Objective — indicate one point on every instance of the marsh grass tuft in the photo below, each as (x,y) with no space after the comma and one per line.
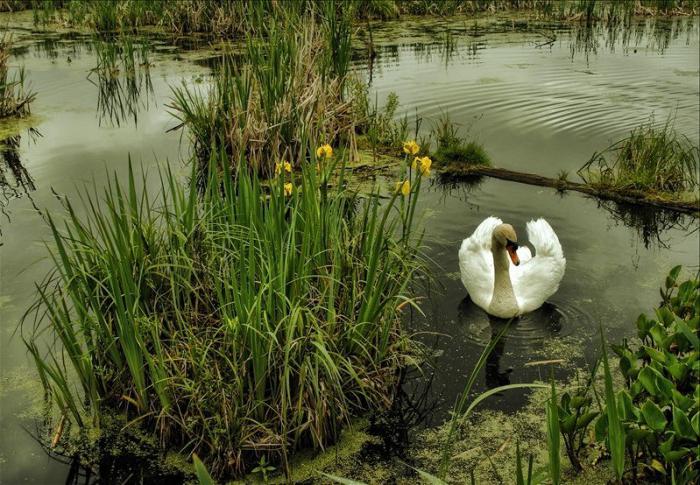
(651,159)
(15,95)
(261,113)
(242,323)
(452,148)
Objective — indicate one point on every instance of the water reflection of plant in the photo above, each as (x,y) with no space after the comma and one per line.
(628,34)
(123,79)
(650,223)
(15,180)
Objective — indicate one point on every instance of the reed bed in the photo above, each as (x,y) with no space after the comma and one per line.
(651,159)
(291,87)
(15,95)
(241,323)
(232,18)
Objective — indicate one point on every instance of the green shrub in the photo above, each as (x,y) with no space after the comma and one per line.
(660,404)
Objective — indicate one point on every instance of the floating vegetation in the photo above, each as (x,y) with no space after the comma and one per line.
(653,160)
(15,95)
(246,322)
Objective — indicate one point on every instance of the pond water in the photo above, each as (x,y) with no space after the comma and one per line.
(541,98)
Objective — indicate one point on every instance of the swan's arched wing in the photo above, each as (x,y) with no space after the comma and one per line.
(476,262)
(539,278)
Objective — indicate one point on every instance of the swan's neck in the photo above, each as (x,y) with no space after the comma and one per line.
(503,302)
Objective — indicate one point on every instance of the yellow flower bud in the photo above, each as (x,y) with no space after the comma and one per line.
(288,187)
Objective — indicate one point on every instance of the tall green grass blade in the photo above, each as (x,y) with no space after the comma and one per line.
(616,434)
(553,437)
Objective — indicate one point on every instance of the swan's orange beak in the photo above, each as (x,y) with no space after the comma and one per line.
(512,249)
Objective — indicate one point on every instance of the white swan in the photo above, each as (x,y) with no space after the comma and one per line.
(506,290)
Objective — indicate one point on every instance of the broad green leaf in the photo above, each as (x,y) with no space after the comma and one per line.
(683,402)
(656,355)
(580,401)
(653,416)
(585,419)
(568,424)
(688,334)
(678,370)
(624,402)
(643,326)
(648,379)
(695,422)
(681,424)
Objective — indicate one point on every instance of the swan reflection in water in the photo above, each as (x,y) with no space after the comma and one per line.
(523,337)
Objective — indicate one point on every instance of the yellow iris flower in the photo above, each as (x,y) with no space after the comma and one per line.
(279,166)
(403,187)
(324,151)
(411,147)
(288,188)
(422,164)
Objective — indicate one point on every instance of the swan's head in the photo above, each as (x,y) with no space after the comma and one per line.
(505,237)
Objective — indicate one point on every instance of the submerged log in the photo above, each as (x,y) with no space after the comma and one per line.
(628,196)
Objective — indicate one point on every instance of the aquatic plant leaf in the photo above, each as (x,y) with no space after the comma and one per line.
(653,416)
(428,478)
(695,423)
(683,402)
(688,334)
(343,481)
(648,379)
(580,401)
(201,471)
(643,326)
(654,354)
(553,439)
(616,434)
(585,419)
(681,424)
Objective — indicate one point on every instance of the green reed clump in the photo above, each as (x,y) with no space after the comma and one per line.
(261,112)
(15,95)
(244,322)
(452,148)
(651,159)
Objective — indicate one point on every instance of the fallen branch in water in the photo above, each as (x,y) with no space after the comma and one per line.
(632,197)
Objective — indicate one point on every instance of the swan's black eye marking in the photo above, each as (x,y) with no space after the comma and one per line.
(511,244)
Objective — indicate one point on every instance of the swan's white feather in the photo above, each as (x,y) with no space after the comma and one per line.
(534,280)
(539,278)
(476,262)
